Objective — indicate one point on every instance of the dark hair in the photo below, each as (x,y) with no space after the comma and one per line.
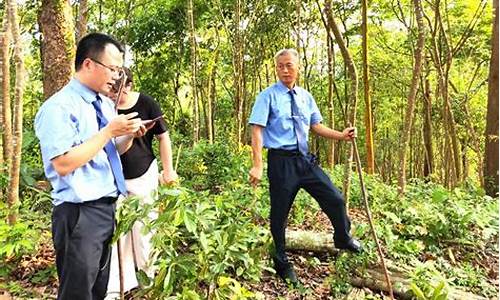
(118,83)
(92,45)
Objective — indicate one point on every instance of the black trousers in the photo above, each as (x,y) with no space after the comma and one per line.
(288,171)
(81,234)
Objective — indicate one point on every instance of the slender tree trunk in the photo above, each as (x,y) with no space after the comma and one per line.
(443,71)
(370,155)
(411,96)
(13,189)
(239,78)
(7,140)
(491,146)
(211,99)
(331,86)
(353,92)
(5,112)
(297,37)
(58,44)
(331,106)
(194,79)
(81,24)
(427,116)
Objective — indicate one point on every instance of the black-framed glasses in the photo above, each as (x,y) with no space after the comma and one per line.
(114,69)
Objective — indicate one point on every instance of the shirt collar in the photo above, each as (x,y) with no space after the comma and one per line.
(284,89)
(87,94)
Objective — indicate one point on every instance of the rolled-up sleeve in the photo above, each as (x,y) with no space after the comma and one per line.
(315,113)
(260,111)
(57,130)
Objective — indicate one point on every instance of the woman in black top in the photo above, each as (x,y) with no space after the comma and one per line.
(140,169)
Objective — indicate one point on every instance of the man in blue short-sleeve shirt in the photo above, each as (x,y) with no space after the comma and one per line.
(281,117)
(79,135)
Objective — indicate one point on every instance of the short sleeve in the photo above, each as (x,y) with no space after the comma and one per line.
(260,111)
(57,130)
(315,113)
(154,112)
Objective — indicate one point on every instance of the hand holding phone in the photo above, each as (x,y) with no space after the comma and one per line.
(148,122)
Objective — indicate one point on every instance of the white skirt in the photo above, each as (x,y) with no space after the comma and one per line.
(144,186)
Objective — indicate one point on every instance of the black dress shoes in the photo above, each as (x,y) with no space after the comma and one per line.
(352,245)
(285,271)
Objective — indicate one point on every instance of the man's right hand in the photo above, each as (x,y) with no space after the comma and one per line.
(255,176)
(124,125)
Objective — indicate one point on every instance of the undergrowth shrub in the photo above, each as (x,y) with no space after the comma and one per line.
(199,240)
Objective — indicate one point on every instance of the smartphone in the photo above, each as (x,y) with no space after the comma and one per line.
(147,122)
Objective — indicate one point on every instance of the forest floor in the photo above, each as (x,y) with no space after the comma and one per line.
(36,276)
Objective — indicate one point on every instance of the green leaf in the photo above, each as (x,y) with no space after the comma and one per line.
(417,291)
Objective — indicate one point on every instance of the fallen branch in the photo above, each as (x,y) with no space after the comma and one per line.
(372,278)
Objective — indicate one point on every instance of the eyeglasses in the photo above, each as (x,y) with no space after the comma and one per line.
(285,66)
(114,69)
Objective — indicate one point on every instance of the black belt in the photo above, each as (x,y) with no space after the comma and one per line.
(283,152)
(103,200)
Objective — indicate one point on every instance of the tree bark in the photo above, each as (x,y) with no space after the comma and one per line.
(239,97)
(352,95)
(192,38)
(6,113)
(370,155)
(427,117)
(212,93)
(491,146)
(331,106)
(13,189)
(81,24)
(411,96)
(331,87)
(58,44)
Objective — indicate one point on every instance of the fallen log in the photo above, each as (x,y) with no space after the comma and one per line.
(373,278)
(355,294)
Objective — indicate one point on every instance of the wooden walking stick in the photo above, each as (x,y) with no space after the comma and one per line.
(120,269)
(368,214)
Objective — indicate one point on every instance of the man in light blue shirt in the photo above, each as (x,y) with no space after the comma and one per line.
(281,117)
(78,131)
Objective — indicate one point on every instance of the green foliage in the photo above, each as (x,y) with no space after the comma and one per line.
(15,241)
(428,284)
(199,239)
(430,216)
(215,166)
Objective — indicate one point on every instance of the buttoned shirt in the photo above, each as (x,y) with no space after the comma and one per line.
(273,111)
(65,120)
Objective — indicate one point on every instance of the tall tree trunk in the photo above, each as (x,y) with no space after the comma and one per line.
(411,95)
(7,140)
(427,117)
(331,107)
(13,189)
(353,92)
(81,23)
(297,37)
(58,44)
(370,155)
(331,86)
(211,98)
(6,113)
(491,146)
(239,95)
(196,114)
